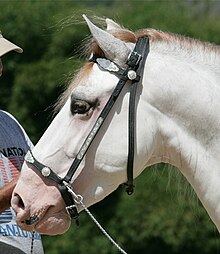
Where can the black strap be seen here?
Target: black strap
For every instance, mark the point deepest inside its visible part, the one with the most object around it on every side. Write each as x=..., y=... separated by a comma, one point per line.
x=94, y=130
x=71, y=207
x=132, y=63
x=40, y=167
x=141, y=50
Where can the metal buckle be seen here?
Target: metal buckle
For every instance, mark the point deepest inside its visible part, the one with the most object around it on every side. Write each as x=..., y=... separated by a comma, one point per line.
x=73, y=213
x=134, y=59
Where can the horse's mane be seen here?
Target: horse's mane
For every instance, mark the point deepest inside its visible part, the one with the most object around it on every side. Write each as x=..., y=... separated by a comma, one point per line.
x=172, y=40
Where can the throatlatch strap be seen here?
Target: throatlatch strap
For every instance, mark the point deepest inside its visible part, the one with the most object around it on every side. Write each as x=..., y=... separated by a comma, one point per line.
x=139, y=56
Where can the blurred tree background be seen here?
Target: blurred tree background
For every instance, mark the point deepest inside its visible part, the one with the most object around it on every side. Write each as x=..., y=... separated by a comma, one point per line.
x=163, y=216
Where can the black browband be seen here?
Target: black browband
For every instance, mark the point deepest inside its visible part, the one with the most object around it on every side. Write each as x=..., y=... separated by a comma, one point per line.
x=133, y=72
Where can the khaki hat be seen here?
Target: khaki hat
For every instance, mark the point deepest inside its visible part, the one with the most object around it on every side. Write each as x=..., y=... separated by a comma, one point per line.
x=6, y=46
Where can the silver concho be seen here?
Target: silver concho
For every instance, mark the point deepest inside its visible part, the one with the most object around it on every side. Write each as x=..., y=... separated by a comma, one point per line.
x=28, y=157
x=132, y=75
x=45, y=171
x=107, y=64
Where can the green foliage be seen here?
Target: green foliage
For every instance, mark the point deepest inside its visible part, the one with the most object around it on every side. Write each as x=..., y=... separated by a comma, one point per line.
x=37, y=88
x=157, y=219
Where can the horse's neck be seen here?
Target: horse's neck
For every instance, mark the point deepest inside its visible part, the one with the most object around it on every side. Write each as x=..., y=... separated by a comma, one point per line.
x=185, y=96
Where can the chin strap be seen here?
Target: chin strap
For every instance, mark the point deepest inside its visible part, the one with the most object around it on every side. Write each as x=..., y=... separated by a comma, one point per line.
x=71, y=207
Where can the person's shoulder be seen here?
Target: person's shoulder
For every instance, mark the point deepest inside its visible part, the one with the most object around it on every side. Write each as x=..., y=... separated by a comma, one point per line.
x=9, y=120
x=6, y=116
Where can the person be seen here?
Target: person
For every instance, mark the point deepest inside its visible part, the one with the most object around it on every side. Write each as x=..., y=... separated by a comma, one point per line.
x=14, y=143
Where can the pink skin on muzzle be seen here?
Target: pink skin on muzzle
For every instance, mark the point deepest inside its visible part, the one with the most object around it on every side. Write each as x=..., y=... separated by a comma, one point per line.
x=49, y=209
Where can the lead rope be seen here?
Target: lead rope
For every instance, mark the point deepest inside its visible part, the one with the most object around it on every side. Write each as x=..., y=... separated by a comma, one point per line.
x=79, y=200
x=32, y=241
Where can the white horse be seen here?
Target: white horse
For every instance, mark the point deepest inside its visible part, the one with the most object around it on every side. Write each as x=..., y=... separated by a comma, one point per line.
x=177, y=122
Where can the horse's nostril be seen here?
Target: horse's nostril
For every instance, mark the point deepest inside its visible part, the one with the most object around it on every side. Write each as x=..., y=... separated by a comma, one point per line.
x=18, y=202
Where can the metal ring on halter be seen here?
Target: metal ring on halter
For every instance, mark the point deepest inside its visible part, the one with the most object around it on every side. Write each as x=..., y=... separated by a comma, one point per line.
x=78, y=199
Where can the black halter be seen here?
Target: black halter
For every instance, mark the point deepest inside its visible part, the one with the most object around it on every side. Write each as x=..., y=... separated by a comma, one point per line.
x=133, y=72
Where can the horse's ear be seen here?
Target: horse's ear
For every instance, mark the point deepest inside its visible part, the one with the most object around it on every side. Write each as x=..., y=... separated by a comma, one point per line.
x=113, y=48
x=112, y=25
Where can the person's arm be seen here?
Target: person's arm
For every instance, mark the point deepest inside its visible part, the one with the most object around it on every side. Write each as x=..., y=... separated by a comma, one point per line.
x=6, y=193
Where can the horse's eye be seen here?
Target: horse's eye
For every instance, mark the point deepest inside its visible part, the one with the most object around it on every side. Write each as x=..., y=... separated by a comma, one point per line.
x=79, y=107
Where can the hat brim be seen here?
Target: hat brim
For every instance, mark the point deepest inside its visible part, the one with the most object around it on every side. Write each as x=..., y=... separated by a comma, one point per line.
x=6, y=46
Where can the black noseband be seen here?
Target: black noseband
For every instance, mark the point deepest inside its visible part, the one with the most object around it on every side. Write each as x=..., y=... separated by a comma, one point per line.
x=62, y=185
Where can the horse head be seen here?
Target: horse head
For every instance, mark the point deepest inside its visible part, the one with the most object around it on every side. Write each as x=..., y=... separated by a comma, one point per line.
x=177, y=122
x=103, y=168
